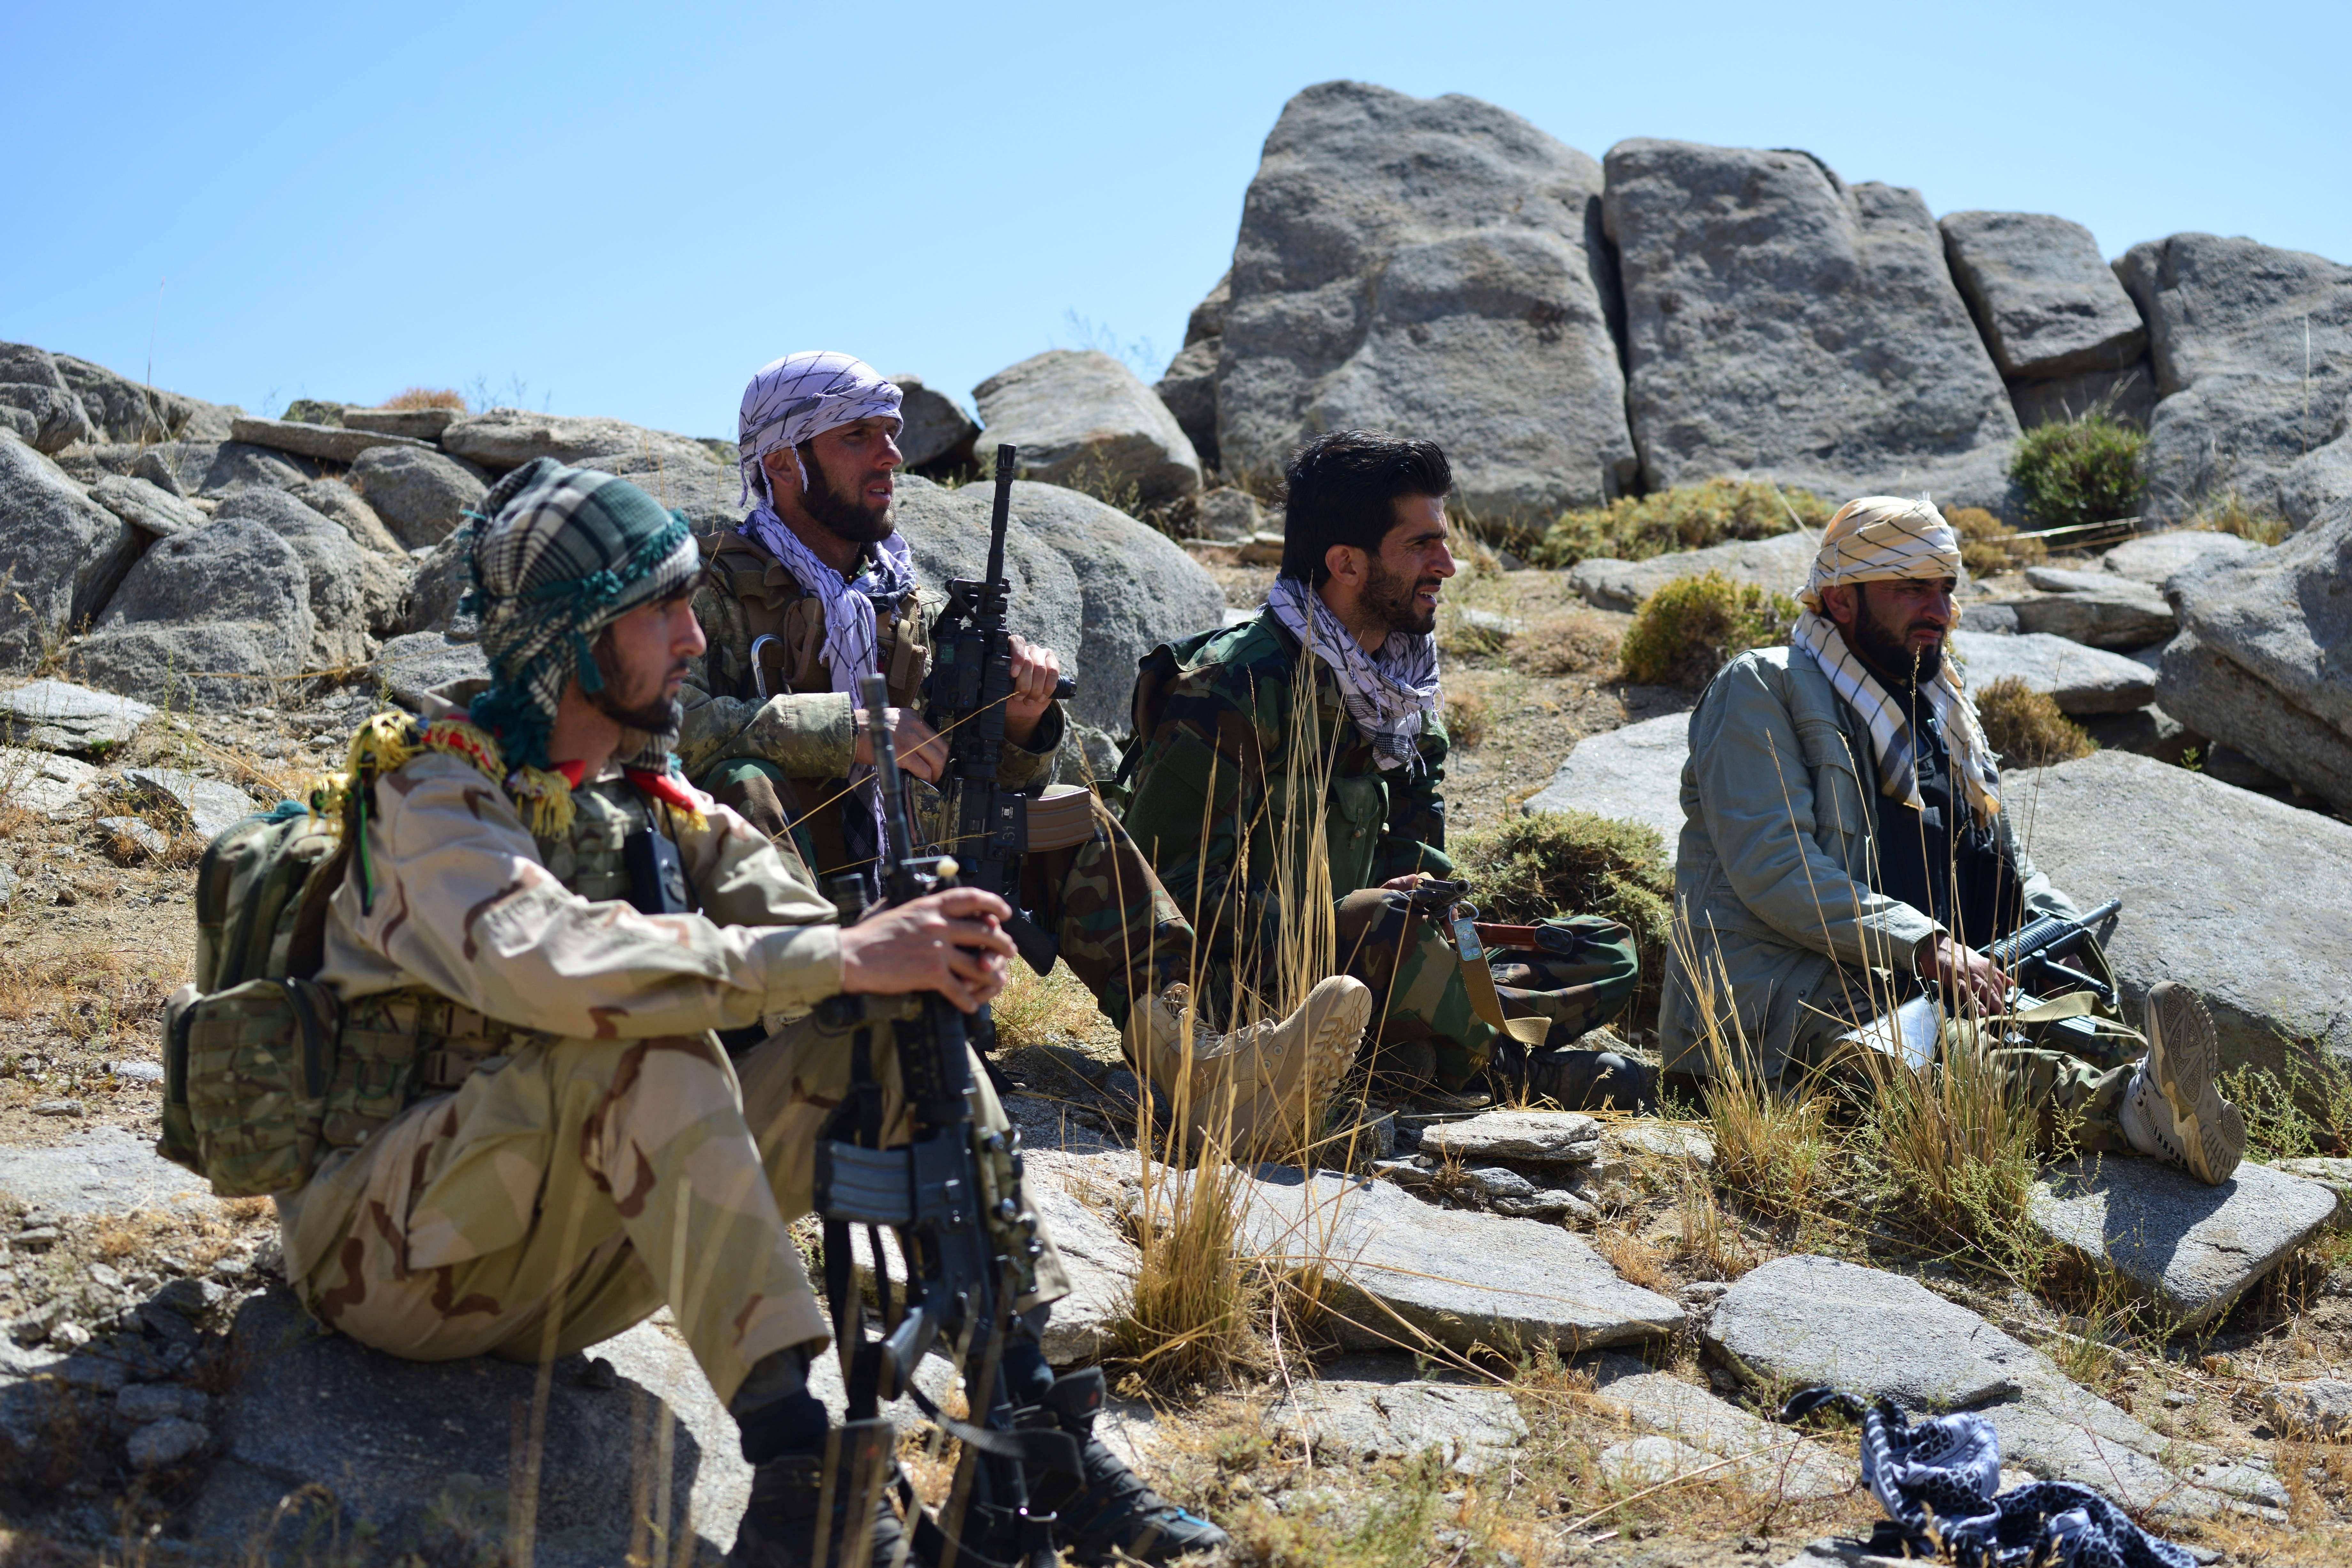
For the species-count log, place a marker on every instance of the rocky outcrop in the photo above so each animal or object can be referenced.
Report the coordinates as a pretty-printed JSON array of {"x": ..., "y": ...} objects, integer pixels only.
[
  {"x": 1783, "y": 324},
  {"x": 330, "y": 443},
  {"x": 1081, "y": 417},
  {"x": 420, "y": 494},
  {"x": 2100, "y": 609},
  {"x": 2260, "y": 660},
  {"x": 1779, "y": 564},
  {"x": 1097, "y": 587},
  {"x": 2080, "y": 680},
  {"x": 2244, "y": 407},
  {"x": 36, "y": 404},
  {"x": 2156, "y": 559},
  {"x": 1431, "y": 266},
  {"x": 335, "y": 500},
  {"x": 1189, "y": 387},
  {"x": 2063, "y": 333},
  {"x": 506, "y": 438},
  {"x": 352, "y": 591},
  {"x": 934, "y": 429},
  {"x": 204, "y": 617},
  {"x": 61, "y": 553},
  {"x": 146, "y": 506},
  {"x": 124, "y": 410}
]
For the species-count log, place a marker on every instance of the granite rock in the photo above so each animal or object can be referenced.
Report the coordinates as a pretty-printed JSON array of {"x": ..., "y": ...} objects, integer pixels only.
[
  {"x": 1771, "y": 1457},
  {"x": 1435, "y": 266},
  {"x": 1538, "y": 1137},
  {"x": 59, "y": 716},
  {"x": 62, "y": 556},
  {"x": 1634, "y": 772},
  {"x": 1227, "y": 514},
  {"x": 252, "y": 590},
  {"x": 43, "y": 782},
  {"x": 340, "y": 504},
  {"x": 103, "y": 1171},
  {"x": 1188, "y": 389},
  {"x": 1368, "y": 1408},
  {"x": 1067, "y": 1190},
  {"x": 330, "y": 443},
  {"x": 210, "y": 805},
  {"x": 417, "y": 424},
  {"x": 2047, "y": 302},
  {"x": 2080, "y": 680},
  {"x": 1399, "y": 1269},
  {"x": 415, "y": 663},
  {"x": 2244, "y": 900},
  {"x": 2192, "y": 1248},
  {"x": 2098, "y": 609},
  {"x": 51, "y": 418},
  {"x": 419, "y": 493},
  {"x": 503, "y": 438},
  {"x": 127, "y": 410},
  {"x": 2156, "y": 559},
  {"x": 934, "y": 428},
  {"x": 2319, "y": 1406},
  {"x": 145, "y": 506},
  {"x": 1779, "y": 564},
  {"x": 1081, "y": 417},
  {"x": 2334, "y": 1175},
  {"x": 1781, "y": 324},
  {"x": 353, "y": 592}
]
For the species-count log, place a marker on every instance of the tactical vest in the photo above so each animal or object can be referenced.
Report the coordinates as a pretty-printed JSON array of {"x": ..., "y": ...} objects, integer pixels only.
[{"x": 775, "y": 606}]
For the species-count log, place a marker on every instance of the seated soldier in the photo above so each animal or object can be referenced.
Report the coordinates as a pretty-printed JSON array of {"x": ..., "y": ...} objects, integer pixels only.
[
  {"x": 817, "y": 590},
  {"x": 536, "y": 1141},
  {"x": 1221, "y": 744},
  {"x": 1845, "y": 847}
]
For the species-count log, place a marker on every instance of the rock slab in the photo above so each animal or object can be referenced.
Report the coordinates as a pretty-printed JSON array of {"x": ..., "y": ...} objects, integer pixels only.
[
  {"x": 2047, "y": 300},
  {"x": 2245, "y": 901},
  {"x": 59, "y": 716},
  {"x": 2336, "y": 1175},
  {"x": 1541, "y": 1137},
  {"x": 2193, "y": 1248},
  {"x": 330, "y": 442},
  {"x": 1399, "y": 1268},
  {"x": 2098, "y": 609},
  {"x": 1781, "y": 324},
  {"x": 1367, "y": 1407},
  {"x": 1434, "y": 266},
  {"x": 2080, "y": 680},
  {"x": 2157, "y": 558},
  {"x": 1778, "y": 564},
  {"x": 1634, "y": 772},
  {"x": 1714, "y": 1428},
  {"x": 103, "y": 1171},
  {"x": 1081, "y": 417}
]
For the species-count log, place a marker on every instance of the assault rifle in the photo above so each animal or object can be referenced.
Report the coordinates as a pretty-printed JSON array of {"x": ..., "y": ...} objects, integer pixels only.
[
  {"x": 952, "y": 1197},
  {"x": 963, "y": 698},
  {"x": 1913, "y": 1031}
]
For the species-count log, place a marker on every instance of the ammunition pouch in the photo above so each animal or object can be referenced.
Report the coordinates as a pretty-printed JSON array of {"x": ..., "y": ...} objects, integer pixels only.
[
  {"x": 246, "y": 1075},
  {"x": 397, "y": 1047}
]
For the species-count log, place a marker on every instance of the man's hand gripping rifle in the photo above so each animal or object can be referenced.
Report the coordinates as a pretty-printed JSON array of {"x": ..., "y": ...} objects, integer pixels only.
[
  {"x": 952, "y": 1196},
  {"x": 964, "y": 697},
  {"x": 1914, "y": 1031}
]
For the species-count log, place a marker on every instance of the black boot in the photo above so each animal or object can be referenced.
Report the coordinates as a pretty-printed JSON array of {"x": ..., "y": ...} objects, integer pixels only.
[
  {"x": 792, "y": 1522},
  {"x": 1107, "y": 1514},
  {"x": 1574, "y": 1079}
]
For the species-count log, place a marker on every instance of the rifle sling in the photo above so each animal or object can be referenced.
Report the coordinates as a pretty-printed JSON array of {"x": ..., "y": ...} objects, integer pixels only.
[{"x": 1478, "y": 979}]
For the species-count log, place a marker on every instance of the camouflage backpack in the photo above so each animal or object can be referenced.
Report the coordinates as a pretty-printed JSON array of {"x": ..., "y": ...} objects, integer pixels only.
[{"x": 249, "y": 1049}]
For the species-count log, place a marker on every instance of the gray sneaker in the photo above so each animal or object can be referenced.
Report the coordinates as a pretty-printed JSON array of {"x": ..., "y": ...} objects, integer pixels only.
[{"x": 2172, "y": 1111}]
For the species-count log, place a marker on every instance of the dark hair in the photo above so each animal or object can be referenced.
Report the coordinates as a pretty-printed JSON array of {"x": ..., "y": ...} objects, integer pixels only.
[{"x": 1343, "y": 489}]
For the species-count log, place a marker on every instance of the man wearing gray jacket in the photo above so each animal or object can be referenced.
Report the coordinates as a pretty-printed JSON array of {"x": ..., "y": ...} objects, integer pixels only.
[{"x": 1844, "y": 847}]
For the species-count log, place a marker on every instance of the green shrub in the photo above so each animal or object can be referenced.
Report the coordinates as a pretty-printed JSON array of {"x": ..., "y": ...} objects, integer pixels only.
[
  {"x": 2026, "y": 727},
  {"x": 2080, "y": 471},
  {"x": 1689, "y": 517},
  {"x": 1577, "y": 863},
  {"x": 1693, "y": 627}
]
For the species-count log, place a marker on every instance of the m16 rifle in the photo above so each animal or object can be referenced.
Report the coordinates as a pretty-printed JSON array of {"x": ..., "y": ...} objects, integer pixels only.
[
  {"x": 952, "y": 1196},
  {"x": 964, "y": 697},
  {"x": 1913, "y": 1031}
]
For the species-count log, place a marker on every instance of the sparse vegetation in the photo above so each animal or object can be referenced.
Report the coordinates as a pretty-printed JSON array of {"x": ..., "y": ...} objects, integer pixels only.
[
  {"x": 1689, "y": 517},
  {"x": 1955, "y": 1152},
  {"x": 2229, "y": 512},
  {"x": 1466, "y": 713},
  {"x": 2303, "y": 1113},
  {"x": 426, "y": 397},
  {"x": 1990, "y": 546},
  {"x": 1693, "y": 627},
  {"x": 2079, "y": 472},
  {"x": 2026, "y": 727}
]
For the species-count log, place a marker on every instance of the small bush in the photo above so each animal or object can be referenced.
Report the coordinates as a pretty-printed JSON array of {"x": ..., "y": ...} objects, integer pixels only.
[
  {"x": 2080, "y": 471},
  {"x": 2026, "y": 727},
  {"x": 1576, "y": 862},
  {"x": 1954, "y": 1153},
  {"x": 2229, "y": 512},
  {"x": 1689, "y": 517},
  {"x": 1566, "y": 644},
  {"x": 1693, "y": 627},
  {"x": 1466, "y": 715},
  {"x": 1990, "y": 546},
  {"x": 425, "y": 398}
]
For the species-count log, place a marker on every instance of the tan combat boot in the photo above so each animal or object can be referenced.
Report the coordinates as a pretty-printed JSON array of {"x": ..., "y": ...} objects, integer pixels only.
[
  {"x": 1262, "y": 1088},
  {"x": 2172, "y": 1111}
]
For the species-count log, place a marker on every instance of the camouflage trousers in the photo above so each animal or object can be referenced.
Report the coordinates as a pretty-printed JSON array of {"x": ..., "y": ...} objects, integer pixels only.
[
  {"x": 1577, "y": 972},
  {"x": 1116, "y": 926},
  {"x": 561, "y": 1195}
]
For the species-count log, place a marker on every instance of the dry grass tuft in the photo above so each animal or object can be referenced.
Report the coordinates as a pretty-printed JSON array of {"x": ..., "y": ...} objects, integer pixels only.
[
  {"x": 2026, "y": 727},
  {"x": 1192, "y": 1314},
  {"x": 1568, "y": 643},
  {"x": 425, "y": 398},
  {"x": 1053, "y": 1009},
  {"x": 1955, "y": 1151},
  {"x": 1466, "y": 715},
  {"x": 1693, "y": 627},
  {"x": 1990, "y": 546},
  {"x": 2229, "y": 512},
  {"x": 1689, "y": 517}
]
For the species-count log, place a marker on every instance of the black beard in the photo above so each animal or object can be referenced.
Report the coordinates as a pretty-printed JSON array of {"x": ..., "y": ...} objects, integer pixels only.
[
  {"x": 844, "y": 517},
  {"x": 1889, "y": 655},
  {"x": 662, "y": 716},
  {"x": 1389, "y": 596}
]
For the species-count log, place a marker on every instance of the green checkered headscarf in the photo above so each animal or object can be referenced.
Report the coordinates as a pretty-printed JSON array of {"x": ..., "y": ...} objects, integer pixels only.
[{"x": 558, "y": 553}]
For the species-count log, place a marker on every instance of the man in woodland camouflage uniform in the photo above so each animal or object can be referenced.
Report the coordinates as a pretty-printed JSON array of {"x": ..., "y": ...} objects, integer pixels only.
[
  {"x": 1217, "y": 734},
  {"x": 1846, "y": 848},
  {"x": 817, "y": 589},
  {"x": 536, "y": 1139}
]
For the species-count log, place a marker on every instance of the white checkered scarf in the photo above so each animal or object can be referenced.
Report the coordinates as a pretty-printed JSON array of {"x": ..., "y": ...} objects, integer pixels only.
[
  {"x": 558, "y": 554},
  {"x": 803, "y": 396},
  {"x": 1881, "y": 538},
  {"x": 1388, "y": 693}
]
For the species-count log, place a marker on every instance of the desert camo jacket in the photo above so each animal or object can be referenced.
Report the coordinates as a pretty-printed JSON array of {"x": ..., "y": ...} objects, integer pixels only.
[
  {"x": 461, "y": 903},
  {"x": 1209, "y": 800}
]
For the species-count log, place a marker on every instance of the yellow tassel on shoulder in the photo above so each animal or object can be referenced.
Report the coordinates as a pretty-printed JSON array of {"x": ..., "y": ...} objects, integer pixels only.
[{"x": 544, "y": 799}]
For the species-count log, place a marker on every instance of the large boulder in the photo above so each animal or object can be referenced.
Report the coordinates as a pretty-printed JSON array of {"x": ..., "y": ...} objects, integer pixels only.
[
  {"x": 1433, "y": 267},
  {"x": 330, "y": 442},
  {"x": 2156, "y": 559},
  {"x": 933, "y": 426},
  {"x": 1634, "y": 772},
  {"x": 352, "y": 592},
  {"x": 441, "y": 583},
  {"x": 1779, "y": 564},
  {"x": 418, "y": 492},
  {"x": 1188, "y": 386},
  {"x": 2247, "y": 395},
  {"x": 1081, "y": 417},
  {"x": 37, "y": 404},
  {"x": 61, "y": 553},
  {"x": 1781, "y": 324},
  {"x": 506, "y": 438},
  {"x": 126, "y": 410},
  {"x": 2244, "y": 900},
  {"x": 1097, "y": 587},
  {"x": 2261, "y": 662},
  {"x": 2047, "y": 302},
  {"x": 335, "y": 500},
  {"x": 203, "y": 614},
  {"x": 2079, "y": 679}
]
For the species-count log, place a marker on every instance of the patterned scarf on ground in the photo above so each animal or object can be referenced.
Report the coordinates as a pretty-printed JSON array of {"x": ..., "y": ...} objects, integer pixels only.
[{"x": 1388, "y": 693}]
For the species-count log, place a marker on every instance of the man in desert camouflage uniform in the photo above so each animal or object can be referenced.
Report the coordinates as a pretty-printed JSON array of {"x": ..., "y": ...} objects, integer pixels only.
[
  {"x": 817, "y": 589},
  {"x": 537, "y": 1140},
  {"x": 1217, "y": 736}
]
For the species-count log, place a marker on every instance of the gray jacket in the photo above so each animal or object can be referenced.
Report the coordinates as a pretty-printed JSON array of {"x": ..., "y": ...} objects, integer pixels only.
[{"x": 1773, "y": 901}]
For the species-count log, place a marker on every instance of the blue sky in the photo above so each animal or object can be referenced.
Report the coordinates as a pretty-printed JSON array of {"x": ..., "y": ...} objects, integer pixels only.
[{"x": 625, "y": 210}]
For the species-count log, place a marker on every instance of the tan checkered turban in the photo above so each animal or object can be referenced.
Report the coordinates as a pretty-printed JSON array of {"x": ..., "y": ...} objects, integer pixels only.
[{"x": 1879, "y": 538}]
